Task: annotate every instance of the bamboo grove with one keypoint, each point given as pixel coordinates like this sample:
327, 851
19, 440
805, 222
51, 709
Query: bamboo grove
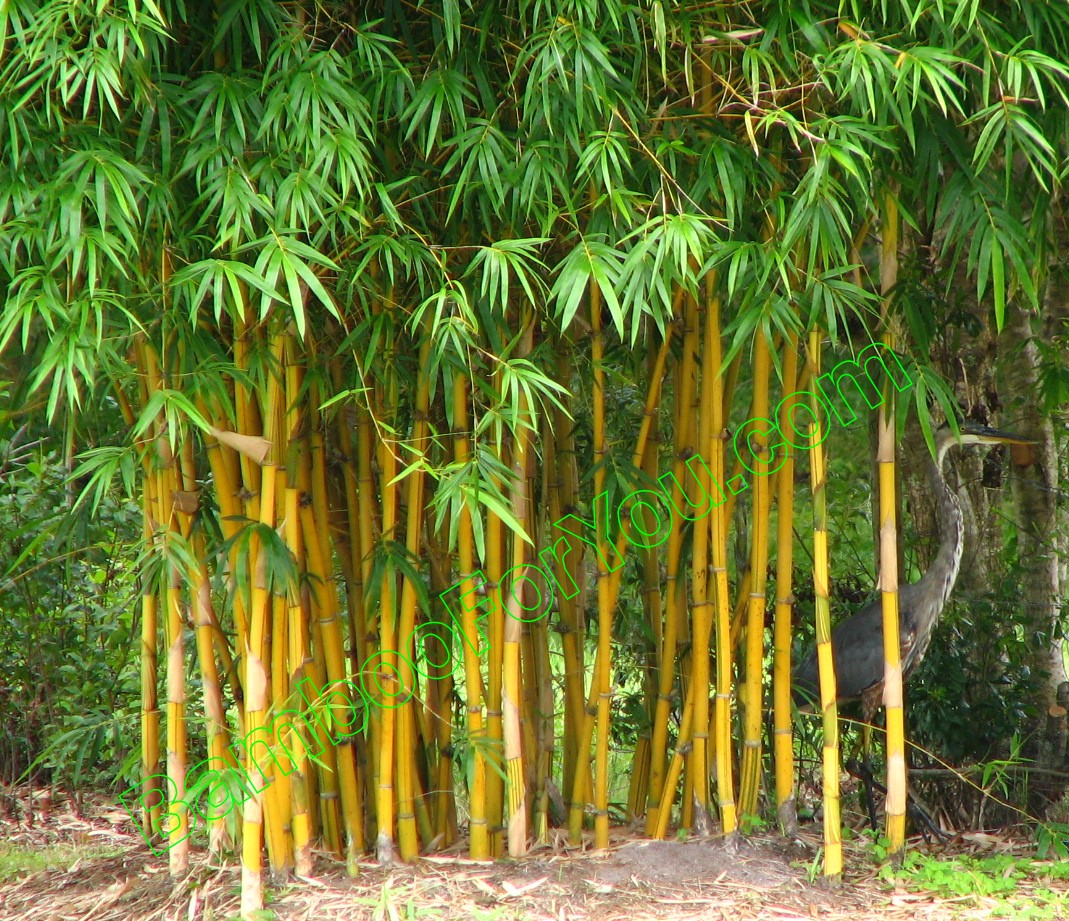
384, 295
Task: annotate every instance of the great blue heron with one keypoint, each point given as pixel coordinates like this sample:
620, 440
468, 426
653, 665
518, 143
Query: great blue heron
857, 642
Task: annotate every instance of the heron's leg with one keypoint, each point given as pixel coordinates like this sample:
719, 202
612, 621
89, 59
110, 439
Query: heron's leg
863, 772
867, 778
923, 821
920, 819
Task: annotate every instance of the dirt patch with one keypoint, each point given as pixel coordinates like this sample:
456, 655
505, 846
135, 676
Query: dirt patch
762, 864
765, 877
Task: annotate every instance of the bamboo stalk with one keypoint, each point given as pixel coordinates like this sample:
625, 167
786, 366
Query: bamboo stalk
703, 609
511, 701
750, 770
309, 659
384, 842
478, 833
177, 816
666, 669
718, 522
151, 790
328, 625
367, 512
833, 847
494, 736
440, 691
587, 730
641, 789
888, 580
261, 818
675, 588
783, 739
178, 831
664, 808
406, 828
218, 735
562, 495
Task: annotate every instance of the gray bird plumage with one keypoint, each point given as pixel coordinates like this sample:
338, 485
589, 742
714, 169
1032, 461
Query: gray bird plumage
857, 642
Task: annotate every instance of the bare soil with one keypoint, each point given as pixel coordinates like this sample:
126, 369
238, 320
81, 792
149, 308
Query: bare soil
765, 876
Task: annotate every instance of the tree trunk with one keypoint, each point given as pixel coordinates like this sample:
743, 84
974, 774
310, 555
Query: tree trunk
1041, 545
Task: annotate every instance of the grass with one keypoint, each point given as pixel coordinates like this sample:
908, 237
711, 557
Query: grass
1011, 887
17, 860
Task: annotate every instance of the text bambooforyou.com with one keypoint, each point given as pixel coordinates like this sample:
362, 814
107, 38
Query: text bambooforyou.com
349, 700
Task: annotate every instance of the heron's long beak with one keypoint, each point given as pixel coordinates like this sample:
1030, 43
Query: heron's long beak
972, 432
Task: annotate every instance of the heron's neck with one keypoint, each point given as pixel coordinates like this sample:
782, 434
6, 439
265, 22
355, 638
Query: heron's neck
943, 572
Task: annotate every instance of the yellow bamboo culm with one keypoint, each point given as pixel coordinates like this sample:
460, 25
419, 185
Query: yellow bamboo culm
675, 588
479, 839
322, 776
603, 666
218, 736
700, 489
406, 745
569, 570
688, 411
512, 688
653, 397
152, 798
699, 492
664, 810
833, 845
175, 822
641, 774
178, 827
888, 579
385, 689
262, 821
495, 626
750, 770
718, 521
783, 738
368, 506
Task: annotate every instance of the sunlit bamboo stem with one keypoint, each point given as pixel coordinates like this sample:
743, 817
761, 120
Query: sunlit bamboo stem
512, 596
833, 847
750, 770
888, 580
783, 739
406, 826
